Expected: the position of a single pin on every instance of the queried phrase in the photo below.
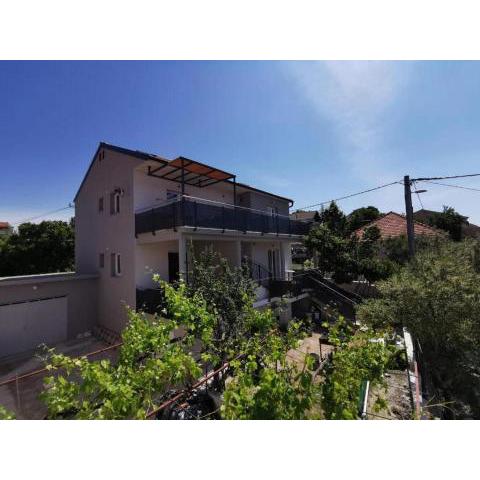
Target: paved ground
(22, 397)
(309, 345)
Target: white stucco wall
(150, 191)
(153, 258)
(97, 232)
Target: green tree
(334, 254)
(373, 264)
(38, 248)
(229, 293)
(361, 216)
(358, 356)
(6, 414)
(437, 297)
(264, 384)
(450, 221)
(334, 219)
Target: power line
(351, 195)
(418, 195)
(454, 186)
(42, 215)
(424, 179)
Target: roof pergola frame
(203, 175)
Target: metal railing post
(195, 215)
(174, 216)
(182, 207)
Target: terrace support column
(286, 255)
(182, 256)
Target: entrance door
(173, 267)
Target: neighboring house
(306, 216)
(138, 214)
(393, 224)
(427, 216)
(5, 229)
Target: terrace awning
(190, 172)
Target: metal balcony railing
(200, 213)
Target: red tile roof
(4, 225)
(394, 225)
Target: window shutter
(112, 264)
(112, 203)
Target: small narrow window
(116, 264)
(100, 204)
(114, 203)
(101, 260)
(119, 265)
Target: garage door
(25, 325)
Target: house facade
(5, 229)
(137, 214)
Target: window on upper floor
(116, 264)
(114, 203)
(100, 204)
(101, 260)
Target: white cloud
(354, 96)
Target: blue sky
(311, 131)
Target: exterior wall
(260, 201)
(260, 252)
(227, 249)
(150, 191)
(105, 233)
(153, 258)
(80, 291)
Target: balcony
(200, 213)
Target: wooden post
(409, 213)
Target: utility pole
(409, 211)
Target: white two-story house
(137, 214)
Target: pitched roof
(424, 214)
(393, 224)
(152, 157)
(4, 225)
